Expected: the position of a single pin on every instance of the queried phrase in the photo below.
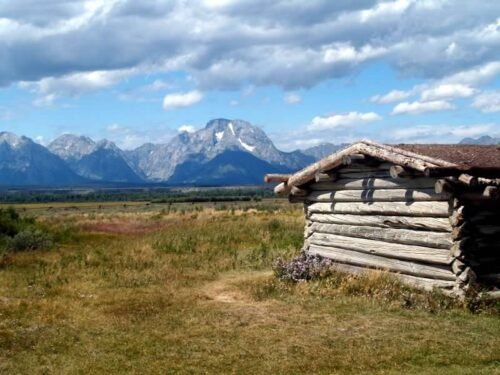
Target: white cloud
(290, 44)
(181, 100)
(186, 128)
(447, 91)
(292, 98)
(45, 100)
(415, 108)
(128, 138)
(234, 103)
(442, 133)
(346, 53)
(488, 101)
(391, 97)
(340, 120)
(50, 88)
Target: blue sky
(305, 71)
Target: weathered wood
(375, 173)
(325, 176)
(467, 276)
(280, 189)
(396, 156)
(307, 174)
(295, 191)
(468, 180)
(377, 195)
(418, 282)
(431, 209)
(275, 177)
(374, 183)
(387, 249)
(349, 159)
(398, 171)
(392, 236)
(492, 192)
(378, 262)
(465, 244)
(443, 186)
(458, 266)
(403, 222)
(457, 217)
(392, 149)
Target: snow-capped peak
(11, 139)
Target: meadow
(152, 288)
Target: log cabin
(430, 214)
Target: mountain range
(225, 152)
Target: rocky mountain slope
(224, 152)
(24, 162)
(100, 161)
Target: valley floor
(188, 288)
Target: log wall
(476, 242)
(365, 219)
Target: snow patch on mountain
(219, 135)
(246, 146)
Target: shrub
(29, 239)
(303, 267)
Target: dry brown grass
(193, 293)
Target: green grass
(151, 291)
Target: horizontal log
(388, 235)
(377, 195)
(409, 222)
(295, 191)
(374, 183)
(492, 192)
(386, 249)
(360, 167)
(397, 171)
(376, 173)
(275, 177)
(325, 176)
(398, 156)
(432, 209)
(353, 158)
(356, 258)
(280, 189)
(414, 281)
(425, 160)
(330, 162)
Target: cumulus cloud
(181, 100)
(50, 88)
(292, 98)
(448, 91)
(415, 108)
(127, 137)
(283, 43)
(341, 120)
(438, 133)
(391, 97)
(488, 101)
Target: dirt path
(226, 290)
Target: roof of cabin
(465, 156)
(431, 159)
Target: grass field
(183, 288)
